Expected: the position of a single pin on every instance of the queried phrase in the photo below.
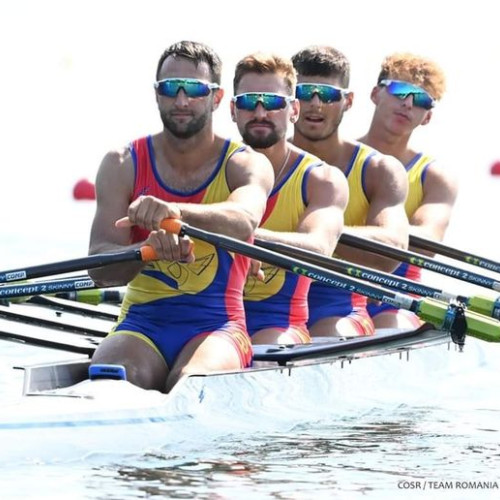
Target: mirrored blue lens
(326, 93)
(402, 90)
(193, 88)
(270, 102)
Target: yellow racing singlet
(326, 301)
(416, 171)
(281, 299)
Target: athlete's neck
(386, 142)
(279, 155)
(333, 150)
(187, 154)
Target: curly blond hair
(415, 69)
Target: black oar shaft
(453, 253)
(46, 287)
(419, 261)
(68, 266)
(295, 266)
(365, 273)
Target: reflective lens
(402, 90)
(326, 93)
(191, 86)
(270, 102)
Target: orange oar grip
(148, 253)
(173, 226)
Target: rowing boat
(287, 385)
(63, 414)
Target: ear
(295, 110)
(218, 95)
(232, 107)
(427, 118)
(374, 95)
(349, 99)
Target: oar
(94, 297)
(453, 253)
(45, 287)
(419, 261)
(449, 317)
(144, 253)
(103, 311)
(45, 337)
(478, 303)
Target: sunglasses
(402, 90)
(326, 93)
(269, 101)
(169, 87)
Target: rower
(305, 208)
(407, 91)
(377, 185)
(183, 313)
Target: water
(77, 82)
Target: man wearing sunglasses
(377, 186)
(182, 313)
(408, 87)
(305, 208)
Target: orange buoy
(84, 190)
(495, 168)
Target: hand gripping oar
(478, 303)
(144, 253)
(439, 248)
(419, 261)
(448, 317)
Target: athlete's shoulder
(437, 175)
(120, 156)
(244, 155)
(383, 162)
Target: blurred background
(77, 81)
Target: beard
(185, 130)
(260, 142)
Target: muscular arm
(432, 217)
(322, 222)
(250, 178)
(386, 222)
(114, 182)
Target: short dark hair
(322, 60)
(197, 53)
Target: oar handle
(174, 226)
(147, 253)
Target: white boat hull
(109, 416)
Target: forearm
(227, 217)
(393, 237)
(390, 237)
(306, 241)
(366, 259)
(115, 274)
